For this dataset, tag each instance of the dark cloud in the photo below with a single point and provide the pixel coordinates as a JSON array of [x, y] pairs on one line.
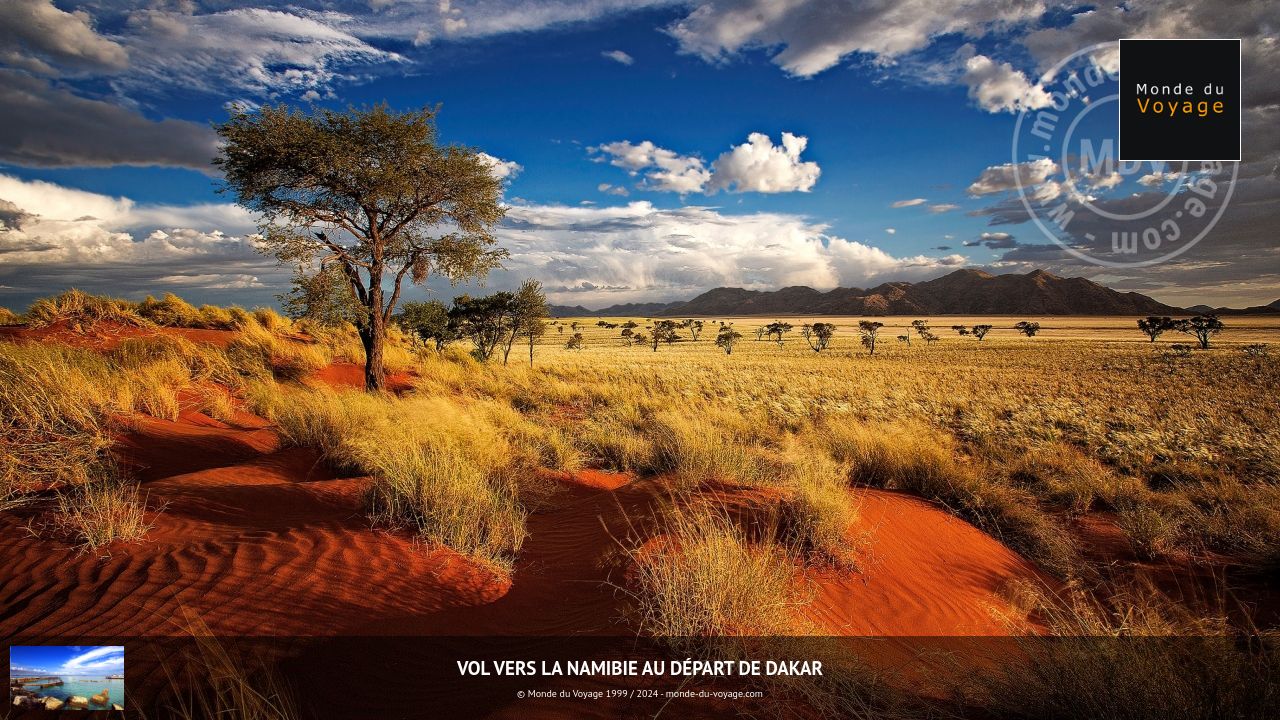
[[46, 126]]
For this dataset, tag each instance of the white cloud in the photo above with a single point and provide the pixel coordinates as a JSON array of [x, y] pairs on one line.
[[943, 207], [609, 189], [997, 87], [809, 36], [661, 169], [638, 252], [112, 244], [253, 50], [760, 166], [35, 35], [908, 203], [891, 231], [502, 169], [754, 166], [619, 56], [96, 661], [1002, 178]]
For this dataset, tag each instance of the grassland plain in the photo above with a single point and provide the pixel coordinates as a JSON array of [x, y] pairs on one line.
[[1144, 479]]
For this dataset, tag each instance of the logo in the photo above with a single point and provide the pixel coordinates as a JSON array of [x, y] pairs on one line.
[[1075, 189]]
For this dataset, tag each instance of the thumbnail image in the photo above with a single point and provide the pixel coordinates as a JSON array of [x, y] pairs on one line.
[[70, 677]]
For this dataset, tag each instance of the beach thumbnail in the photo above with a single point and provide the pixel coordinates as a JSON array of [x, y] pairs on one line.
[[67, 677]]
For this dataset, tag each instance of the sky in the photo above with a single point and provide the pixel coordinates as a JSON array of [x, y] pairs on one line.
[[651, 150], [70, 660]]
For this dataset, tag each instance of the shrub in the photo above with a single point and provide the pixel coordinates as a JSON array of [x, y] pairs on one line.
[[170, 311], [705, 579], [9, 317], [101, 512], [82, 310], [51, 432]]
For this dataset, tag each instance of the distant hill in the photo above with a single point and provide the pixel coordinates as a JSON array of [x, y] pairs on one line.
[[624, 310], [1270, 309], [963, 292]]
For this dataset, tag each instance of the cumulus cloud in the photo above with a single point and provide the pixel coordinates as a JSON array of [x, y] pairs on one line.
[[809, 37], [35, 35], [50, 127], [610, 189], [760, 166], [502, 169], [1002, 178], [639, 252], [907, 203], [754, 166], [998, 87], [660, 168], [997, 240], [619, 56], [111, 244]]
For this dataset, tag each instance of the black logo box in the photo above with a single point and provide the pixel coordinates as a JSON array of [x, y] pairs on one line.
[[1190, 64]]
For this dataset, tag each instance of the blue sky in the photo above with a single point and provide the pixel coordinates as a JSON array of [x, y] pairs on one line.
[[77, 660], [651, 153]]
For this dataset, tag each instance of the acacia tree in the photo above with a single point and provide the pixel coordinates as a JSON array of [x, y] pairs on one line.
[[369, 191], [525, 317], [818, 335], [429, 321], [1026, 327], [869, 330], [531, 314], [663, 331], [921, 327], [980, 331], [1153, 326], [726, 338], [1203, 327], [776, 330], [487, 321]]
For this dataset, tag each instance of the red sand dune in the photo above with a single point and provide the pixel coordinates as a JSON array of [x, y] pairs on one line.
[[351, 375], [255, 539]]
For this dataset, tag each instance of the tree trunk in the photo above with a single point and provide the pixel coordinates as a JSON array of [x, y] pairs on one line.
[[374, 335]]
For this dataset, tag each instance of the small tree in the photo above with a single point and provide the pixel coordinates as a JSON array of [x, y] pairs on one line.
[[980, 331], [528, 317], [574, 342], [776, 330], [1027, 328], [869, 330], [921, 327], [695, 329], [930, 338], [960, 330], [429, 321], [818, 335], [370, 192], [487, 321], [663, 331], [1203, 327], [639, 338], [726, 338], [1154, 326]]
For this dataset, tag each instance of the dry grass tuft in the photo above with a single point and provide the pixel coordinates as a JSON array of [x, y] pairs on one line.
[[101, 512], [82, 311]]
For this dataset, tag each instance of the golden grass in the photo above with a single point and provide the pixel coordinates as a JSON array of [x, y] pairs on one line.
[[1134, 655], [705, 578], [445, 469], [9, 317], [101, 512], [83, 311]]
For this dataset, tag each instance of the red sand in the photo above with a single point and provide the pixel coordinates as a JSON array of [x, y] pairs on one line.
[[351, 375], [258, 540]]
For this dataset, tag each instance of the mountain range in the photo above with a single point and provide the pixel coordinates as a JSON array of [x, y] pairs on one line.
[[963, 292]]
